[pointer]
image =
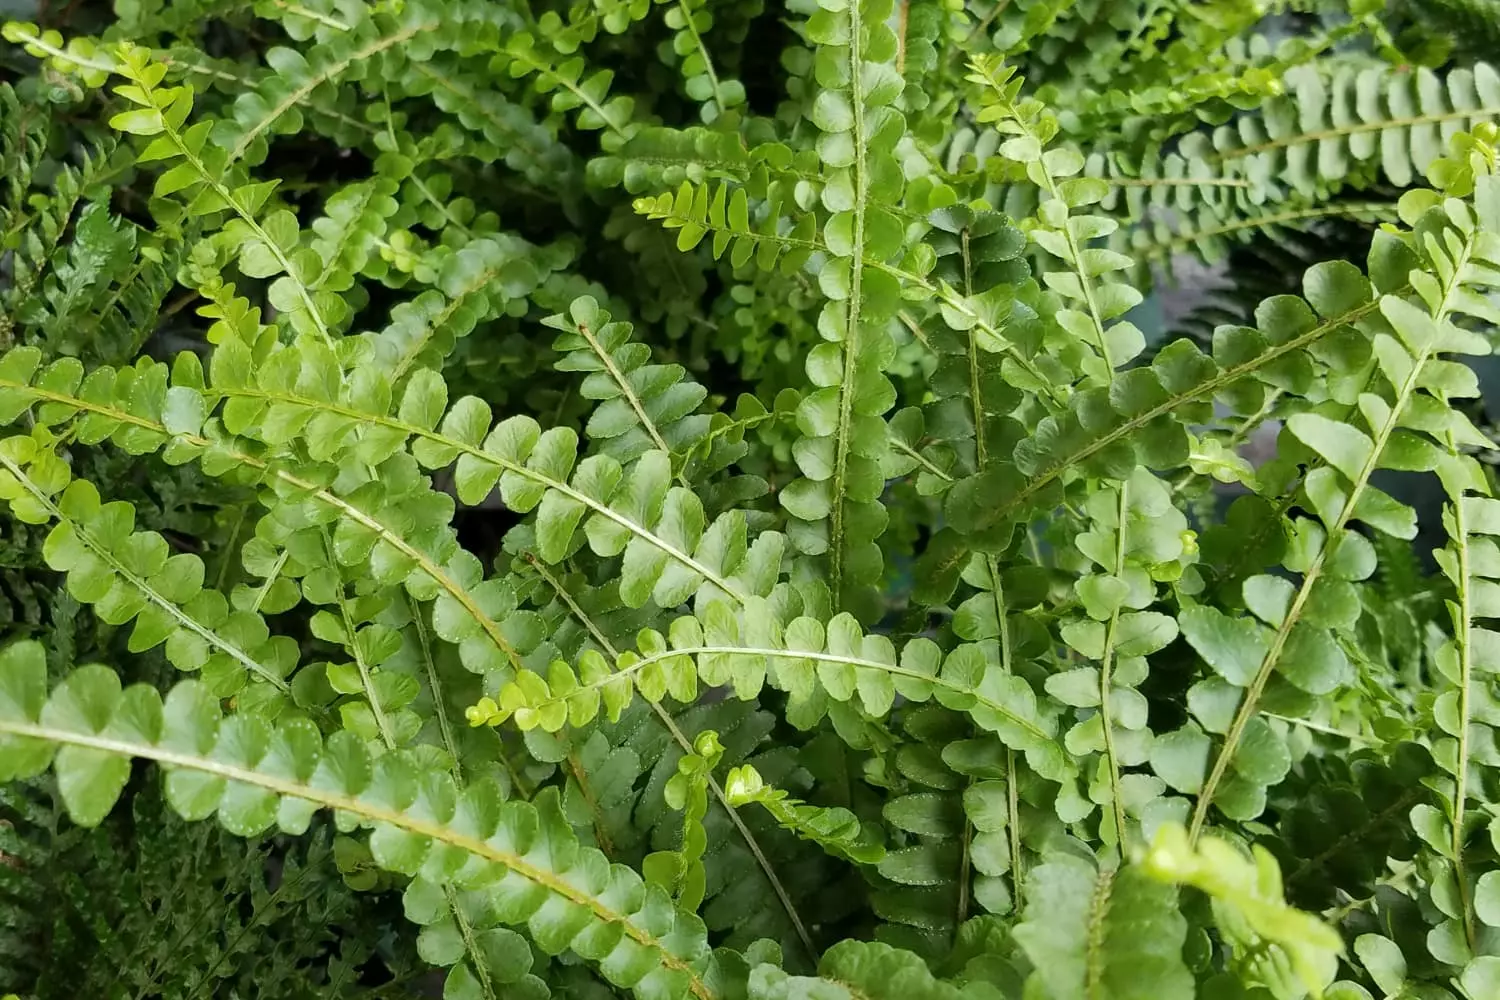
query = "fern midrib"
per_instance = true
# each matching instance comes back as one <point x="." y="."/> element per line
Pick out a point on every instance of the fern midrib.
<point x="591" y="802"/>
<point x="1106" y="671"/>
<point x="1002" y="620"/>
<point x="1094" y="954"/>
<point x="971" y="355"/>
<point x="545" y="69"/>
<point x="997" y="592"/>
<point x="312" y="15"/>
<point x="445" y="730"/>
<point x="552" y="882"/>
<point x="1085" y="281"/>
<point x="103" y="553"/>
<point x="921" y="459"/>
<point x="1249" y="707"/>
<point x="705" y="443"/>
<point x="22" y="284"/>
<point x="1465" y="675"/>
<point x="852" y="323"/>
<point x="388" y="536"/>
<point x="465" y="927"/>
<point x="435" y="689"/>
<point x="366" y="680"/>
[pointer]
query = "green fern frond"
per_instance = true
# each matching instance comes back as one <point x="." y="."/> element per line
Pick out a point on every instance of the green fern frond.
<point x="254" y="776"/>
<point x="1115" y="933"/>
<point x="819" y="668"/>
<point x="763" y="430"/>
<point x="641" y="407"/>
<point x="1329" y="130"/>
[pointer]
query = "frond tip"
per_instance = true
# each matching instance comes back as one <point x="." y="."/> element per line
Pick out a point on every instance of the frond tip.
<point x="1274" y="941"/>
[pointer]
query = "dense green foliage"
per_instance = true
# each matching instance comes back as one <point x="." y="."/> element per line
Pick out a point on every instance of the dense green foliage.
<point x="701" y="499"/>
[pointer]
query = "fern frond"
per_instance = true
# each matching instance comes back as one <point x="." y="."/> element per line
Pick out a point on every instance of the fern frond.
<point x="489" y="277"/>
<point x="571" y="86"/>
<point x="255" y="777"/>
<point x="38" y="239"/>
<point x="837" y="497"/>
<point x="817" y="665"/>
<point x="642" y="407"/>
<point x="502" y="129"/>
<point x="1328" y="130"/>
<point x="129" y="576"/>
<point x="761" y="431"/>
<point x="1179" y="379"/>
<point x="690" y="20"/>
<point x="1312" y="659"/>
<point x="658" y="158"/>
<point x="694" y="213"/>
<point x="1060" y="233"/>
<point x="834" y="829"/>
<point x="424" y="552"/>
<point x="760" y="866"/>
<point x="1280" y="947"/>
<point x="1135" y="535"/>
<point x="853" y="969"/>
<point x="1469" y="561"/>
<point x="294" y="78"/>
<point x="1110" y="933"/>
<point x="23" y="144"/>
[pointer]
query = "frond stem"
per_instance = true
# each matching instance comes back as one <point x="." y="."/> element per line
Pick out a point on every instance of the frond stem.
<point x="1106" y="671"/>
<point x="852" y="338"/>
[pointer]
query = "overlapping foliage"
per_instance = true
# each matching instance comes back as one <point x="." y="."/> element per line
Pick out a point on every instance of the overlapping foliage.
<point x="708" y="499"/>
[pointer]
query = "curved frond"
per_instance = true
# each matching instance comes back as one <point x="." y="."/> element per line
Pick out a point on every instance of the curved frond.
<point x="254" y="776"/>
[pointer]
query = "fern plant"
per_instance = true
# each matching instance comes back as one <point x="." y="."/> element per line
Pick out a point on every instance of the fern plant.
<point x="704" y="500"/>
